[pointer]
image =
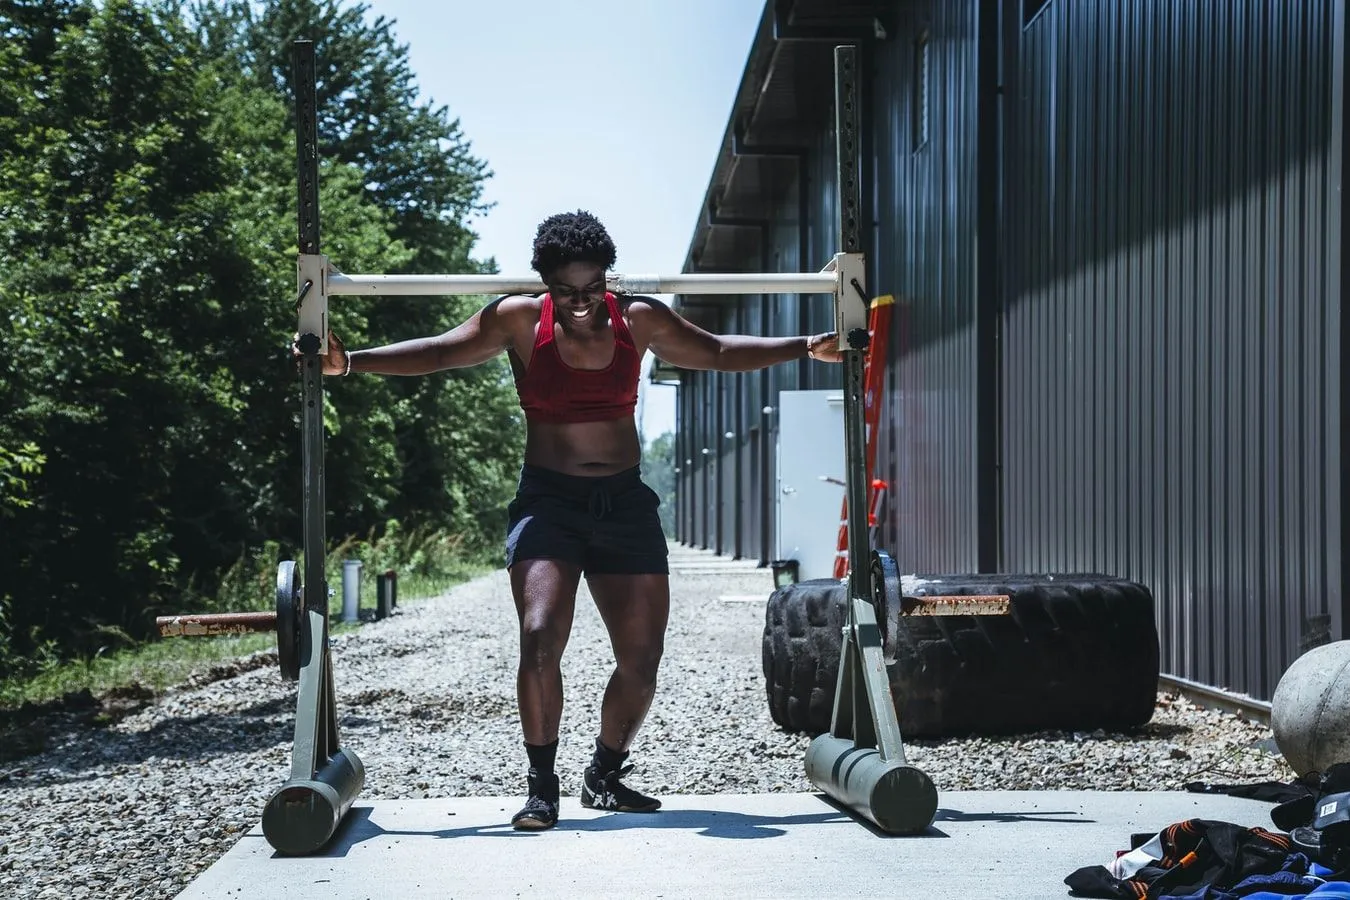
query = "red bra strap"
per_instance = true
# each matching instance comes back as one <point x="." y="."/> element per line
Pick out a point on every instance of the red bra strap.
<point x="545" y="333"/>
<point x="621" y="331"/>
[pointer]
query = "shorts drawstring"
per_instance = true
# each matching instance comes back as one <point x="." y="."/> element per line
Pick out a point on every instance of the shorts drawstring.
<point x="600" y="503"/>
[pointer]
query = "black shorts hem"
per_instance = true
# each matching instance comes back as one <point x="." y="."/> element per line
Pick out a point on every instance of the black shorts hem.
<point x="651" y="565"/>
<point x="552" y="557"/>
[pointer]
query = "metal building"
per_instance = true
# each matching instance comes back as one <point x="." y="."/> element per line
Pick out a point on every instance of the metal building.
<point x="1114" y="232"/>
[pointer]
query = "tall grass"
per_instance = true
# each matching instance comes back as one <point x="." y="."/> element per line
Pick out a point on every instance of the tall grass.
<point x="427" y="563"/>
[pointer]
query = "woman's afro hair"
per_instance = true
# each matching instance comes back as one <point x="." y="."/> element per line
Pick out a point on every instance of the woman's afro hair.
<point x="571" y="237"/>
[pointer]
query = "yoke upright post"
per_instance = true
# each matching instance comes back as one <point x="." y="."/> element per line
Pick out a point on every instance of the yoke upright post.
<point x="302" y="816"/>
<point x="861" y="762"/>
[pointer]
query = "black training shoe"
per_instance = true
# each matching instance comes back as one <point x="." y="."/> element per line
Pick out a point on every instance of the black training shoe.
<point x="541" y="810"/>
<point x="605" y="791"/>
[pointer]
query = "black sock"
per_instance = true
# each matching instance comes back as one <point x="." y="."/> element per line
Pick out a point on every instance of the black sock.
<point x="607" y="760"/>
<point x="542" y="757"/>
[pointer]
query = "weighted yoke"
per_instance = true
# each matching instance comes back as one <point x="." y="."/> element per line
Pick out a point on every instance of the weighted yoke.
<point x="860" y="762"/>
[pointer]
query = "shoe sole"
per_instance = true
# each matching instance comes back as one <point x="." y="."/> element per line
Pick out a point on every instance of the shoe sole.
<point x="588" y="801"/>
<point x="532" y="824"/>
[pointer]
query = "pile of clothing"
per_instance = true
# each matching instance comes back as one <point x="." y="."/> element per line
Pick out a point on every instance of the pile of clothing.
<point x="1200" y="859"/>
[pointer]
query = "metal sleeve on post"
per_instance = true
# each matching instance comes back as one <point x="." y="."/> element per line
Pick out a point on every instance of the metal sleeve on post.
<point x="848" y="124"/>
<point x="849" y="118"/>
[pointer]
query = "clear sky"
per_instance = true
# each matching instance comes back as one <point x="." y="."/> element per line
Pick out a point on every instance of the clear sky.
<point x="615" y="106"/>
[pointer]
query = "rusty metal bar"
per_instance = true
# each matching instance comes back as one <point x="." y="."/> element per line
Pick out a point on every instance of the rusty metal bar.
<point x="957" y="605"/>
<point x="210" y="625"/>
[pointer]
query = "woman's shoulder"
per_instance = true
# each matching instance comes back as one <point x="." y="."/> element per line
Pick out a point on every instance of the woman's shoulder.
<point x="520" y="301"/>
<point x="640" y="305"/>
<point x="518" y="306"/>
<point x="513" y="314"/>
<point x="645" y="316"/>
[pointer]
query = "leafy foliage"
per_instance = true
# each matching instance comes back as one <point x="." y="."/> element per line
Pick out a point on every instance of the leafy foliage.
<point x="149" y="407"/>
<point x="658" y="470"/>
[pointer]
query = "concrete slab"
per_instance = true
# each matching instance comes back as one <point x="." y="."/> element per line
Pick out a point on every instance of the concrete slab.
<point x="982" y="845"/>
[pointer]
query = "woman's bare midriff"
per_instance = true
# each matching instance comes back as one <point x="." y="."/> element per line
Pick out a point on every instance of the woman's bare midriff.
<point x="584" y="448"/>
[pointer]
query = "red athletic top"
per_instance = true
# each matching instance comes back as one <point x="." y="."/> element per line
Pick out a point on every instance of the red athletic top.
<point x="552" y="391"/>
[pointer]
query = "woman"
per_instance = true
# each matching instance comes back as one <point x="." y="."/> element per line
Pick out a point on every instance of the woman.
<point x="581" y="507"/>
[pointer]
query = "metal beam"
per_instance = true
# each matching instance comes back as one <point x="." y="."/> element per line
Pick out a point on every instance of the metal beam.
<point x="441" y="285"/>
<point x="786" y="27"/>
<point x="740" y="147"/>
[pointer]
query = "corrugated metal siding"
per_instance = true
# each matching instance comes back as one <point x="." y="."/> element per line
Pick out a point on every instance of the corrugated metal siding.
<point x="1165" y="285"/>
<point x="924" y="254"/>
<point x="1171" y="334"/>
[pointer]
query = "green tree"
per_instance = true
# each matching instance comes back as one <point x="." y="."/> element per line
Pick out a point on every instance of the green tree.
<point x="457" y="435"/>
<point x="149" y="407"/>
<point x="145" y="357"/>
<point x="658" y="470"/>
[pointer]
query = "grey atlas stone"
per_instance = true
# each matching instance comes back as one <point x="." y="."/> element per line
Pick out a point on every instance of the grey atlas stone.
<point x="1310" y="710"/>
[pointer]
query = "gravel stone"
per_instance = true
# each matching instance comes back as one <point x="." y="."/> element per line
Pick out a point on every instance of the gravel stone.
<point x="140" y="808"/>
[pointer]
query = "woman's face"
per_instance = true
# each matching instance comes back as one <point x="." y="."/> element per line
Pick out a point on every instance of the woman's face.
<point x="578" y="290"/>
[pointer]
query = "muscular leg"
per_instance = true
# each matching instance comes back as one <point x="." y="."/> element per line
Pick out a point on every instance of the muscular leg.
<point x="635" y="610"/>
<point x="545" y="592"/>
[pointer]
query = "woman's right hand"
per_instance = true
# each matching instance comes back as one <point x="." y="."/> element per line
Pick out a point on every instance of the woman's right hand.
<point x="334" y="358"/>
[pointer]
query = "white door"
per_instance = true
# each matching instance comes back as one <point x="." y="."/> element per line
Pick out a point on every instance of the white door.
<point x="810" y="479"/>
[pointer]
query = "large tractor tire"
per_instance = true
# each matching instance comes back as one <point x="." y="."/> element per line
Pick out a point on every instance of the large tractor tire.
<point x="1077" y="652"/>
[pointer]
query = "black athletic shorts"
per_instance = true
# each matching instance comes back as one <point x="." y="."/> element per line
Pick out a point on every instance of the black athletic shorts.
<point x="607" y="525"/>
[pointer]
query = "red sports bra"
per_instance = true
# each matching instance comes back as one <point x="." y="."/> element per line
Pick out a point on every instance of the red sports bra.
<point x="552" y="391"/>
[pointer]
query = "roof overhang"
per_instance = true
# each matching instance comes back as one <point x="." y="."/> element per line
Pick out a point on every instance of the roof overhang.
<point x="786" y="94"/>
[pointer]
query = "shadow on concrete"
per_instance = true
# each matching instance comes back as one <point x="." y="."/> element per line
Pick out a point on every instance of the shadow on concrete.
<point x="956" y="815"/>
<point x="358" y="826"/>
<point x="1065" y="816"/>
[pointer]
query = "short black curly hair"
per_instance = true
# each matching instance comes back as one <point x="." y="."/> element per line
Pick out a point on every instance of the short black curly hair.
<point x="571" y="237"/>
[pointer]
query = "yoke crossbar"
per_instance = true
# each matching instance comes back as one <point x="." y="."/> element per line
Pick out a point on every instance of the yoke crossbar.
<point x="736" y="283"/>
<point x="841" y="278"/>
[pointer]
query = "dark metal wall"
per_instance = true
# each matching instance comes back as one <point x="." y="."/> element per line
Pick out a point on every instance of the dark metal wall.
<point x="923" y="123"/>
<point x="1172" y="318"/>
<point x="1114" y="234"/>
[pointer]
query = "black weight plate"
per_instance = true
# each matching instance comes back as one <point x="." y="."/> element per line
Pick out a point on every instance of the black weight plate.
<point x="886" y="601"/>
<point x="289" y="610"/>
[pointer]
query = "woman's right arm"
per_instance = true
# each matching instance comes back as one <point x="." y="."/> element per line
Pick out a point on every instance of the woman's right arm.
<point x="482" y="336"/>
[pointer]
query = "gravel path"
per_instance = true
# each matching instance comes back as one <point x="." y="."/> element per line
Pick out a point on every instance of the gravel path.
<point x="427" y="700"/>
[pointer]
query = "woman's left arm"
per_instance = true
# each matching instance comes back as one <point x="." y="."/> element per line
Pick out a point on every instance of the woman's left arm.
<point x="680" y="342"/>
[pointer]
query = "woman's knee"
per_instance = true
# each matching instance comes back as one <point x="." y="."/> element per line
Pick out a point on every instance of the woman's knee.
<point x="641" y="662"/>
<point x="541" y="644"/>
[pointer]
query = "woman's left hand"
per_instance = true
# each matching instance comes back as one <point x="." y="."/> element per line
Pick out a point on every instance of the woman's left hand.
<point x="824" y="347"/>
